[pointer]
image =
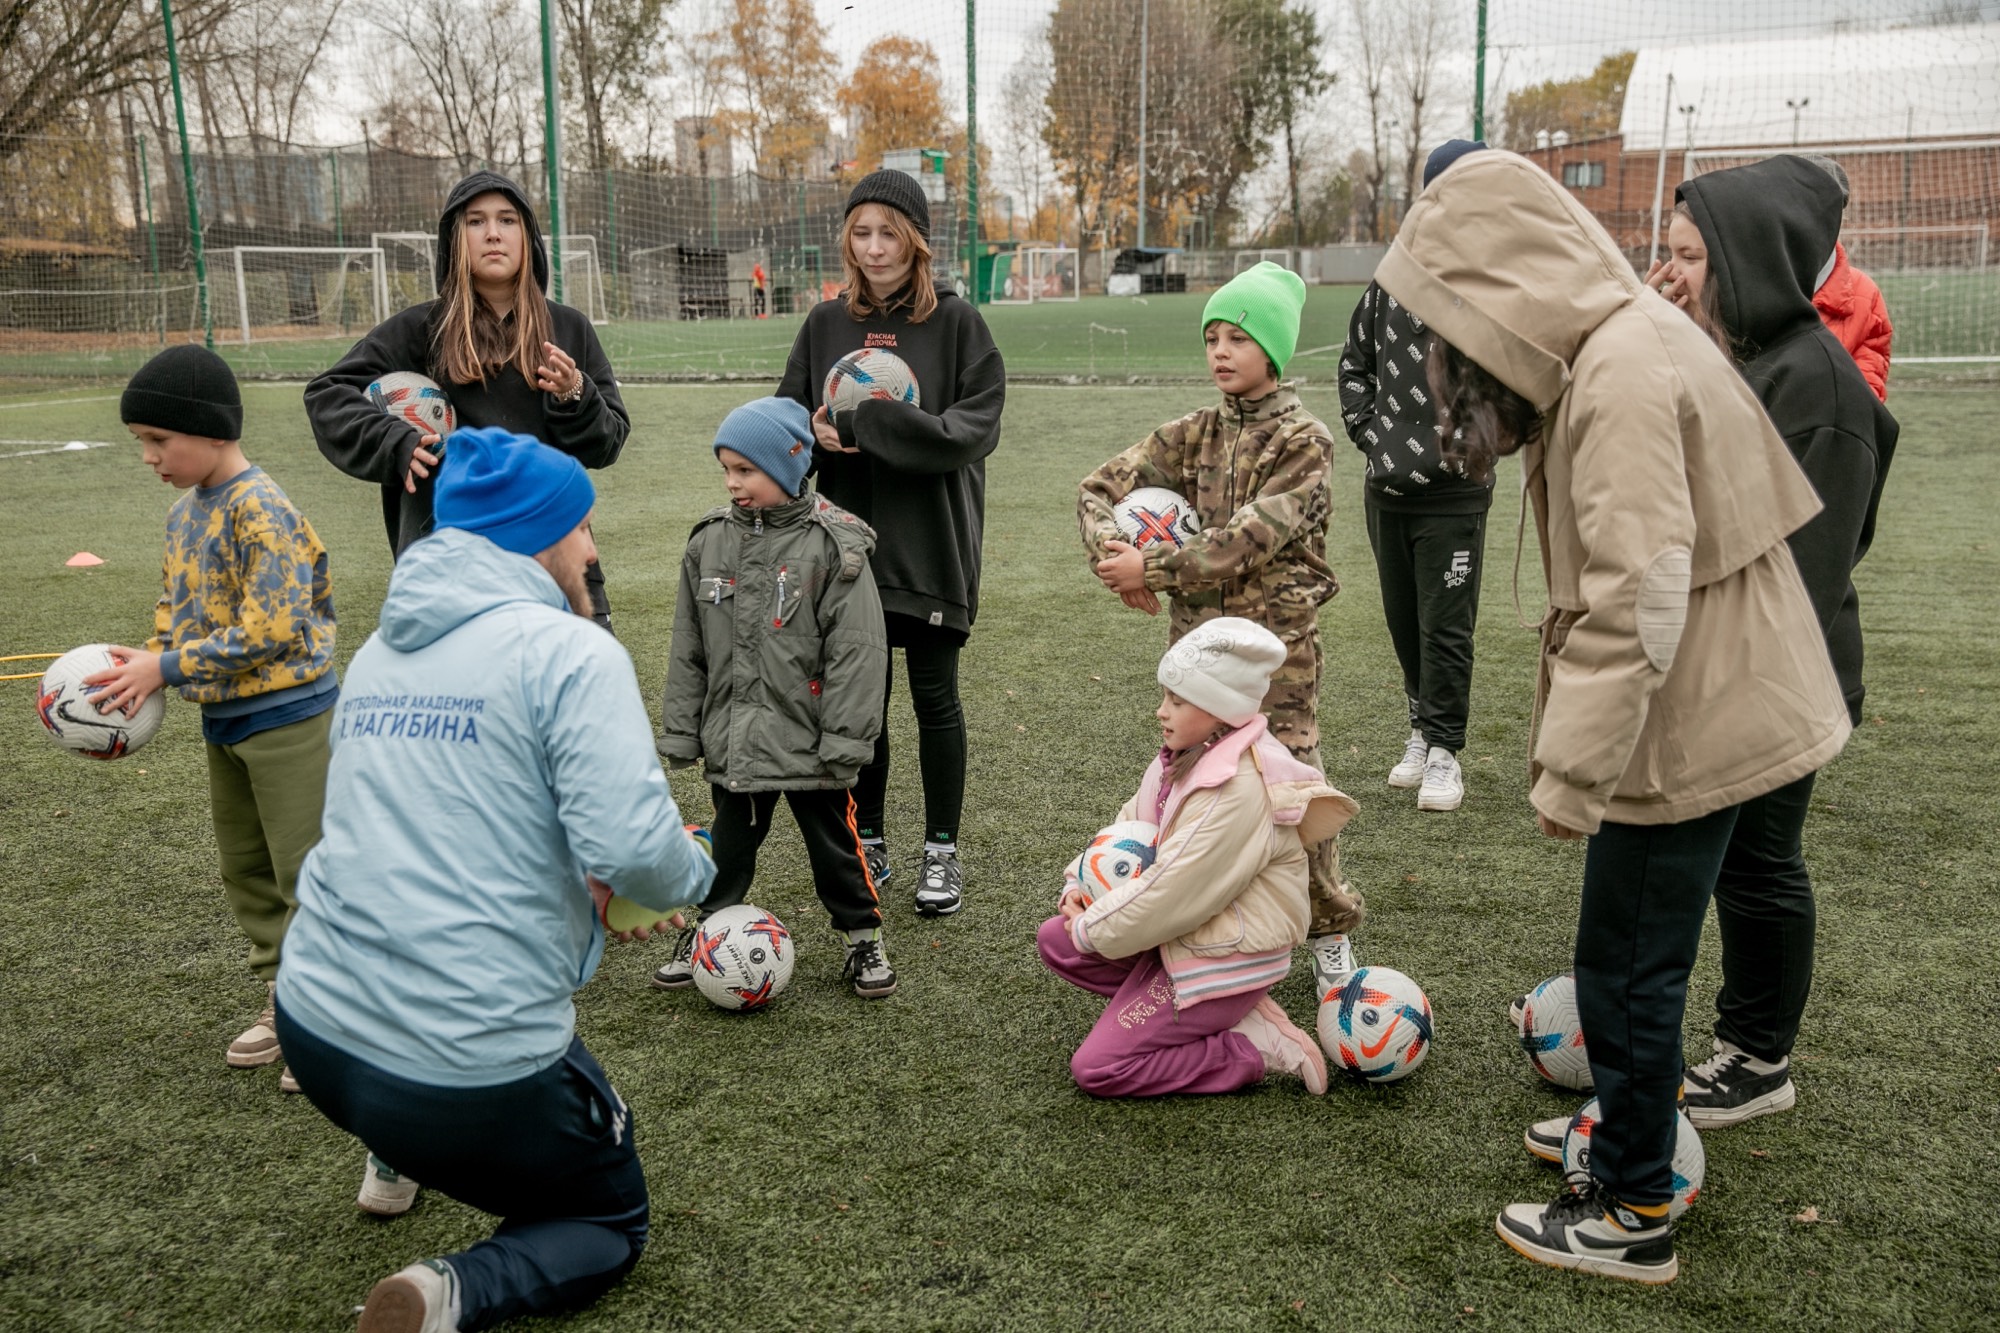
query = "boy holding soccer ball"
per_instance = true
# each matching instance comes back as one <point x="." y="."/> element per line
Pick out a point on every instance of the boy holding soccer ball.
<point x="245" y="628"/>
<point x="1255" y="468"/>
<point x="776" y="679"/>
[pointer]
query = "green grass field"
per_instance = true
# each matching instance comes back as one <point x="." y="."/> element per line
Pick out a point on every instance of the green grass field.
<point x="925" y="1162"/>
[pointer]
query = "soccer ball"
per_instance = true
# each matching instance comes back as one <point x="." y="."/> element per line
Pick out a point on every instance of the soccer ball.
<point x="742" y="957"/>
<point x="70" y="715"/>
<point x="418" y="400"/>
<point x="1376" y="1024"/>
<point x="1153" y="514"/>
<point x="1690" y="1164"/>
<point x="1552" y="1036"/>
<point x="871" y="372"/>
<point x="1119" y="854"/>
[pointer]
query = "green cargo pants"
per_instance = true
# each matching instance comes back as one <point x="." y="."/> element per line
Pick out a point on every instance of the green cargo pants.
<point x="266" y="793"/>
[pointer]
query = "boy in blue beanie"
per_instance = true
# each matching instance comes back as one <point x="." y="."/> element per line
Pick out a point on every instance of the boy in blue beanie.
<point x="777" y="676"/>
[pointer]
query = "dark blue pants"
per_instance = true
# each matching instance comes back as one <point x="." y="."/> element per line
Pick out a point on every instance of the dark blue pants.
<point x="1764" y="905"/>
<point x="1645" y="894"/>
<point x="551" y="1155"/>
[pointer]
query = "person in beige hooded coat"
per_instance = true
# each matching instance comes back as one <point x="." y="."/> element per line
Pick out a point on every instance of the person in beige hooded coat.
<point x="1683" y="671"/>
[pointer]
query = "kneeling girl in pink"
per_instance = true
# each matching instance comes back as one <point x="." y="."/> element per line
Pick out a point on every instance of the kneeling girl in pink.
<point x="1189" y="951"/>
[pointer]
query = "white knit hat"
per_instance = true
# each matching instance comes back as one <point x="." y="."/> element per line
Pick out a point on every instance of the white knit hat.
<point x="1224" y="667"/>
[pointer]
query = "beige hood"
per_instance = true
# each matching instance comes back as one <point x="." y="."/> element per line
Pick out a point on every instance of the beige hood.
<point x="1506" y="266"/>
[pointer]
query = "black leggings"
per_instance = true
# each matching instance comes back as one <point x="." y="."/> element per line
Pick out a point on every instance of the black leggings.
<point x="1764" y="905"/>
<point x="930" y="658"/>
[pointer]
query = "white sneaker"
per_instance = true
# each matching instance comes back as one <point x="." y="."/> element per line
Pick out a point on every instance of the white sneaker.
<point x="1285" y="1049"/>
<point x="384" y="1192"/>
<point x="1410" y="771"/>
<point x="423" y="1298"/>
<point x="1333" y="962"/>
<point x="1444" y="782"/>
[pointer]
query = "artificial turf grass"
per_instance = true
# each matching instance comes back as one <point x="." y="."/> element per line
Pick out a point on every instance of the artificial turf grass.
<point x="980" y="1189"/>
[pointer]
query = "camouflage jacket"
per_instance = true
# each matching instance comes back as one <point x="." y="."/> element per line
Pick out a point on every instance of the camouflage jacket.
<point x="1256" y="472"/>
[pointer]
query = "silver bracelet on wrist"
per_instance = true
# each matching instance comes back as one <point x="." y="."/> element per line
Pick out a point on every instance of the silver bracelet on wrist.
<point x="575" y="391"/>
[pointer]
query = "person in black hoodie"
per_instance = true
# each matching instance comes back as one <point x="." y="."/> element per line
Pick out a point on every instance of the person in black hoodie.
<point x="504" y="353"/>
<point x="1426" y="524"/>
<point x="1766" y="231"/>
<point x="916" y="473"/>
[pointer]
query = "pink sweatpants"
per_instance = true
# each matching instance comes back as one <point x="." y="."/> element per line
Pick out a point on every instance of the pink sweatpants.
<point x="1140" y="1046"/>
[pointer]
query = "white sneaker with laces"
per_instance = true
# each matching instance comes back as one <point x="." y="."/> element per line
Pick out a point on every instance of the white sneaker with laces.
<point x="1409" y="771"/>
<point x="1332" y="961"/>
<point x="385" y="1192"/>
<point x="1444" y="781"/>
<point x="423" y="1298"/>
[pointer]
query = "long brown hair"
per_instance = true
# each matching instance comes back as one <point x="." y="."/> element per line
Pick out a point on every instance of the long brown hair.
<point x="1482" y="418"/>
<point x="1706" y="308"/>
<point x="919" y="294"/>
<point x="468" y="340"/>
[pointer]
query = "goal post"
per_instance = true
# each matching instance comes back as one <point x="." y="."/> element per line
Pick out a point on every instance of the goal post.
<point x="304" y="287"/>
<point x="1053" y="273"/>
<point x="1247" y="259"/>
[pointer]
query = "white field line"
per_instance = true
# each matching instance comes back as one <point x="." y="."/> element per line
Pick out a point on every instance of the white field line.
<point x="71" y="447"/>
<point x="60" y="402"/>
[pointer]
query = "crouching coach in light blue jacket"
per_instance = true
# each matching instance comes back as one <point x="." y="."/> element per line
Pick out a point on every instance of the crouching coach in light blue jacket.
<point x="493" y="780"/>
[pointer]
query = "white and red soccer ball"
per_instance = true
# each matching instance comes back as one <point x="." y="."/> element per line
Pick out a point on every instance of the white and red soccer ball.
<point x="872" y="372"/>
<point x="416" y="399"/>
<point x="1154" y="515"/>
<point x="1552" y="1036"/>
<point x="68" y="708"/>
<point x="1376" y="1024"/>
<point x="742" y="957"/>
<point x="1118" y="854"/>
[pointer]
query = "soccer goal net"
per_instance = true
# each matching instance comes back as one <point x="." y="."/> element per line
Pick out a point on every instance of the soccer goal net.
<point x="1246" y="259"/>
<point x="1053" y="274"/>
<point x="303" y="291"/>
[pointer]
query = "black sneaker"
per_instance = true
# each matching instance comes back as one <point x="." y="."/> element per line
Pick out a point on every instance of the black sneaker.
<point x="1727" y="1088"/>
<point x="867" y="966"/>
<point x="941" y="890"/>
<point x="679" y="971"/>
<point x="1589" y="1230"/>
<point x="877" y="856"/>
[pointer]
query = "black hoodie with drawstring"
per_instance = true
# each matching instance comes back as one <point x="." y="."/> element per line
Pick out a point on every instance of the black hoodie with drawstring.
<point x="363" y="441"/>
<point x="1770" y="228"/>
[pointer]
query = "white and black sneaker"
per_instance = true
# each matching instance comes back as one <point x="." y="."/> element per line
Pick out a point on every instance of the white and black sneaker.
<point x="1733" y="1085"/>
<point x="1333" y="963"/>
<point x="385" y="1192"/>
<point x="877" y="855"/>
<point x="1545" y="1138"/>
<point x="1517" y="1010"/>
<point x="1590" y="1231"/>
<point x="867" y="966"/>
<point x="1409" y="770"/>
<point x="941" y="887"/>
<point x="679" y="971"/>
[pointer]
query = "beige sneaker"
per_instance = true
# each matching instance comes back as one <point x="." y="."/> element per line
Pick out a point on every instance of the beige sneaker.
<point x="1285" y="1049"/>
<point x="257" y="1045"/>
<point x="422" y="1298"/>
<point x="286" y="1083"/>
<point x="384" y="1192"/>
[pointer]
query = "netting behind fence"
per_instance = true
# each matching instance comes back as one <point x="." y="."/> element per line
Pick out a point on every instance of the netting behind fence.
<point x="1125" y="148"/>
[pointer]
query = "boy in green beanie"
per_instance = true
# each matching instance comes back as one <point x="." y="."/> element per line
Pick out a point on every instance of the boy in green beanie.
<point x="1255" y="469"/>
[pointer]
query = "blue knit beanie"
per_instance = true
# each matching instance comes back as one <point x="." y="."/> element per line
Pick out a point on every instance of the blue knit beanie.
<point x="775" y="434"/>
<point x="513" y="490"/>
<point x="1447" y="153"/>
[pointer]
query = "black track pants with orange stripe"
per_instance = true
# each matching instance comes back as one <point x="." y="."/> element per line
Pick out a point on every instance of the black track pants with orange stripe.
<point x="826" y="819"/>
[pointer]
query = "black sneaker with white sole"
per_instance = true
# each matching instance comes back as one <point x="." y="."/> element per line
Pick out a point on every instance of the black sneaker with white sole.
<point x="941" y="887"/>
<point x="867" y="966"/>
<point x="1590" y="1231"/>
<point x="1732" y="1086"/>
<point x="679" y="971"/>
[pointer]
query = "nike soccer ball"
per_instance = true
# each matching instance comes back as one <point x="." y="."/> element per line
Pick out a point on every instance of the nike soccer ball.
<point x="1119" y="854"/>
<point x="1551" y="1035"/>
<point x="1690" y="1164"/>
<point x="872" y="372"/>
<point x="68" y="707"/>
<point x="417" y="399"/>
<point x="742" y="957"/>
<point x="1152" y="515"/>
<point x="1376" y="1024"/>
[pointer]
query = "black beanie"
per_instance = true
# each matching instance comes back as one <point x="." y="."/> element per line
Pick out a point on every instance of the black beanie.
<point x="186" y="389"/>
<point x="1447" y="153"/>
<point x="899" y="190"/>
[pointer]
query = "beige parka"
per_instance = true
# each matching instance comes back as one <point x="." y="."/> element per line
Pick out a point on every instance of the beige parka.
<point x="1683" y="670"/>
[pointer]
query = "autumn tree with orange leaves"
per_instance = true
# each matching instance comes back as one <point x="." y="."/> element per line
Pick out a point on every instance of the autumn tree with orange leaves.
<point x="772" y="55"/>
<point x="894" y="99"/>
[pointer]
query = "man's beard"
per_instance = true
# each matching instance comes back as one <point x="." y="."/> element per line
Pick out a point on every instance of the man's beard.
<point x="576" y="590"/>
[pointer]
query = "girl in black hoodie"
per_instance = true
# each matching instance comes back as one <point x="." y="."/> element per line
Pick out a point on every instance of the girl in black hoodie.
<point x="504" y="353"/>
<point x="917" y="474"/>
<point x="1748" y="245"/>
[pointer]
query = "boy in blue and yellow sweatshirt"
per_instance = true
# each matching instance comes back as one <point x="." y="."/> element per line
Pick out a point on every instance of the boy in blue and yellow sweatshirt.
<point x="244" y="627"/>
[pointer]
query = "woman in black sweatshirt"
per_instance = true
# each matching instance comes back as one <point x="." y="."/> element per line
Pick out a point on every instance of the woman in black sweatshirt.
<point x="1764" y="233"/>
<point x="917" y="474"/>
<point x="504" y="353"/>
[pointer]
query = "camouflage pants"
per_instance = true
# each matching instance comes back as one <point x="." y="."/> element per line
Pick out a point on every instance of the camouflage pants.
<point x="1293" y="707"/>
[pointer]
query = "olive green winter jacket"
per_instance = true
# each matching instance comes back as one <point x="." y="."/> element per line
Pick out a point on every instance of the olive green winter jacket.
<point x="779" y="659"/>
